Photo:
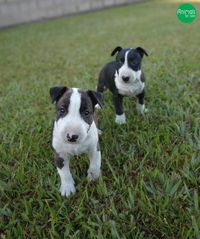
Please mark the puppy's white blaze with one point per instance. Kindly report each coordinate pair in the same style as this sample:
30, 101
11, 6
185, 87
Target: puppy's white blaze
126, 59
75, 103
125, 70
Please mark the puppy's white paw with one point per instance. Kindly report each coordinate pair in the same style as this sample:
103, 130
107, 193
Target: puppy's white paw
120, 119
93, 174
67, 189
142, 109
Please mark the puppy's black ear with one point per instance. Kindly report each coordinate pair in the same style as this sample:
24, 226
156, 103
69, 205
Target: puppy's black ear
96, 97
117, 49
141, 51
57, 92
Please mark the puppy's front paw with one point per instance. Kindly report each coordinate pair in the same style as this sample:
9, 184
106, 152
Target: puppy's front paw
120, 119
67, 189
142, 109
93, 174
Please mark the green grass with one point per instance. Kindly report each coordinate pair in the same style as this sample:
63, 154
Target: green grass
150, 167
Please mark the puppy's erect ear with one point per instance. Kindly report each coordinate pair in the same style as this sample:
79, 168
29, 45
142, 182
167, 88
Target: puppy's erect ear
57, 92
96, 97
141, 51
117, 49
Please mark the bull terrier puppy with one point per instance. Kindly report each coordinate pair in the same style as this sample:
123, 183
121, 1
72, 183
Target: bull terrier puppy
75, 132
124, 77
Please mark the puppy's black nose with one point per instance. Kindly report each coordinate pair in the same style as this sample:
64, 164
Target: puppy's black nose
125, 78
72, 138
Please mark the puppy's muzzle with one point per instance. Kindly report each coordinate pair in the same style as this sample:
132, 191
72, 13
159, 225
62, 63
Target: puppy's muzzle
72, 138
125, 78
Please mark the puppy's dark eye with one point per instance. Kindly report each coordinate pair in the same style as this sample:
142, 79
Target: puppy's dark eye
62, 110
86, 112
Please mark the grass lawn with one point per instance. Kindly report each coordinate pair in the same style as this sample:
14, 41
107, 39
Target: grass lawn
150, 167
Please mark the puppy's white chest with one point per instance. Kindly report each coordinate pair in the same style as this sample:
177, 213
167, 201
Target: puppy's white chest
75, 149
65, 148
130, 89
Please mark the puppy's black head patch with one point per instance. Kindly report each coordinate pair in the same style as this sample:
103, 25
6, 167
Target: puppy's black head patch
56, 92
96, 97
132, 57
86, 107
62, 97
134, 60
141, 51
88, 100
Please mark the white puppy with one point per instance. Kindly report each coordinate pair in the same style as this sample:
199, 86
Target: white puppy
75, 132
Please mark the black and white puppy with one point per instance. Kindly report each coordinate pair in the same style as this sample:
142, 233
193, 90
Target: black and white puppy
75, 132
124, 77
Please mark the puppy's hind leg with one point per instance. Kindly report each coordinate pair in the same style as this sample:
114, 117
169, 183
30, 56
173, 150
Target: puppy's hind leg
120, 116
140, 105
100, 87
